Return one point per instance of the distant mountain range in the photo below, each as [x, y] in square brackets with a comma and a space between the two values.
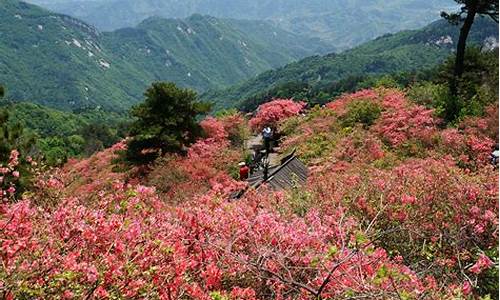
[342, 23]
[404, 51]
[59, 61]
[64, 63]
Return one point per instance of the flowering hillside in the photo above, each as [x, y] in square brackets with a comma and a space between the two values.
[270, 113]
[396, 207]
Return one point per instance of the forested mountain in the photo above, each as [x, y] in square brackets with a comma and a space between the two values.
[344, 23]
[401, 52]
[60, 61]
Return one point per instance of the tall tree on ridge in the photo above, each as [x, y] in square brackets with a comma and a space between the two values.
[468, 11]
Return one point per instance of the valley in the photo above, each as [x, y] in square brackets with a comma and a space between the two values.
[67, 64]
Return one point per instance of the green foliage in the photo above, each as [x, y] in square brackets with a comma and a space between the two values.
[164, 178]
[318, 79]
[427, 93]
[482, 7]
[165, 122]
[488, 281]
[14, 137]
[61, 135]
[61, 62]
[386, 81]
[477, 87]
[54, 151]
[364, 112]
[317, 146]
[218, 296]
[98, 137]
[289, 126]
[225, 113]
[300, 201]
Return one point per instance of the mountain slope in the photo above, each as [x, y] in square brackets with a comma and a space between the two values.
[203, 51]
[404, 51]
[59, 61]
[344, 23]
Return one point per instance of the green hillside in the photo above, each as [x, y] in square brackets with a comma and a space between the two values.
[59, 135]
[343, 23]
[61, 62]
[48, 122]
[204, 52]
[402, 52]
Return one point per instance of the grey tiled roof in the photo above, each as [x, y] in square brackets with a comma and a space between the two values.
[291, 173]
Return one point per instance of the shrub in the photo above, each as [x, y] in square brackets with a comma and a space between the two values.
[363, 111]
[429, 202]
[430, 95]
[270, 113]
[368, 224]
[414, 122]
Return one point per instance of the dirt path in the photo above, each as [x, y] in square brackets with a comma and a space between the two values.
[274, 159]
[255, 141]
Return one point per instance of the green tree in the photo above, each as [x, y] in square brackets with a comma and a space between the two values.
[476, 89]
[97, 137]
[468, 11]
[165, 122]
[13, 136]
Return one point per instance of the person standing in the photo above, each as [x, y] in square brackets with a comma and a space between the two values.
[244, 171]
[267, 135]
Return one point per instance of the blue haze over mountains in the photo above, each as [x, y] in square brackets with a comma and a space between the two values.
[342, 23]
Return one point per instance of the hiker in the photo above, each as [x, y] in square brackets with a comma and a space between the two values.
[256, 158]
[244, 171]
[267, 134]
[265, 173]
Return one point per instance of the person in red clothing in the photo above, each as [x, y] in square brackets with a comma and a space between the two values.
[244, 171]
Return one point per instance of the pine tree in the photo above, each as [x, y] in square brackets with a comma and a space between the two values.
[165, 122]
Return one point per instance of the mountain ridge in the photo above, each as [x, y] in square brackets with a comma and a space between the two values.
[344, 23]
[401, 52]
[65, 63]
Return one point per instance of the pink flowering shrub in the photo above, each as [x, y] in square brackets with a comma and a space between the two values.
[339, 105]
[134, 246]
[431, 203]
[369, 224]
[96, 173]
[9, 176]
[270, 113]
[236, 127]
[232, 127]
[403, 125]
[401, 120]
[482, 126]
[214, 129]
[446, 197]
[388, 98]
[206, 166]
[469, 150]
[483, 263]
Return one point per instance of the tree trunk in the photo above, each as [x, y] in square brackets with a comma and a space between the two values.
[462, 40]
